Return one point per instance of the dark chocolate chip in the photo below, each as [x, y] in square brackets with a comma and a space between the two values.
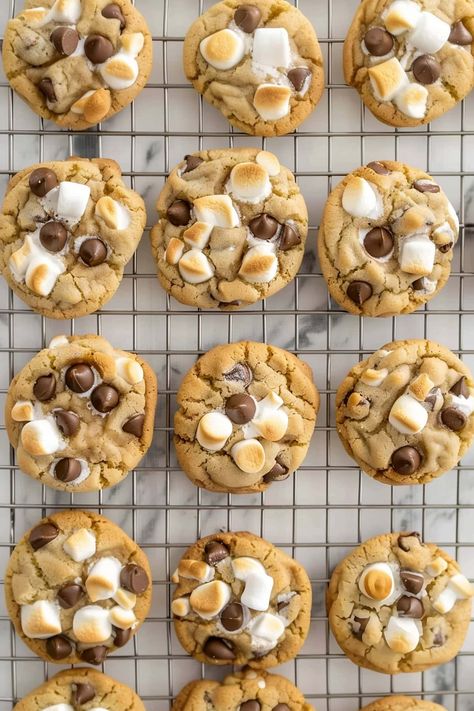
[362, 622]
[46, 87]
[42, 180]
[378, 242]
[67, 469]
[460, 388]
[432, 398]
[98, 49]
[232, 617]
[82, 694]
[41, 535]
[240, 373]
[94, 655]
[378, 41]
[134, 579]
[264, 226]
[179, 213]
[404, 544]
[45, 388]
[134, 425]
[424, 186]
[359, 292]
[281, 707]
[279, 472]
[59, 647]
[53, 236]
[215, 551]
[114, 12]
[289, 238]
[406, 460]
[412, 581]
[453, 419]
[445, 248]
[460, 34]
[426, 69]
[299, 76]
[251, 705]
[93, 252]
[192, 163]
[68, 422]
[410, 607]
[240, 408]
[121, 637]
[69, 595]
[104, 398]
[79, 378]
[65, 40]
[419, 284]
[378, 168]
[247, 18]
[219, 649]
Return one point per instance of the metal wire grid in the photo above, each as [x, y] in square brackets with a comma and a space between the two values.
[329, 505]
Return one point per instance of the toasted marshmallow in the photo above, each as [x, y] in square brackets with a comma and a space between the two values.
[103, 580]
[430, 33]
[271, 47]
[401, 16]
[181, 607]
[421, 387]
[269, 420]
[125, 599]
[268, 627]
[444, 234]
[402, 634]
[272, 101]
[249, 455]
[407, 415]
[20, 259]
[249, 182]
[58, 342]
[458, 588]
[223, 50]
[35, 16]
[59, 707]
[376, 582]
[174, 251]
[412, 100]
[465, 404]
[213, 431]
[42, 275]
[23, 411]
[216, 210]
[244, 566]
[79, 106]
[195, 570]
[80, 545]
[92, 625]
[209, 599]
[195, 267]
[41, 619]
[374, 377]
[360, 198]
[94, 105]
[72, 200]
[115, 215]
[198, 234]
[130, 370]
[40, 437]
[258, 585]
[270, 162]
[387, 79]
[132, 43]
[436, 567]
[417, 255]
[120, 71]
[122, 618]
[66, 11]
[260, 264]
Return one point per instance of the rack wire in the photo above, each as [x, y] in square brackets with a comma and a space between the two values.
[329, 505]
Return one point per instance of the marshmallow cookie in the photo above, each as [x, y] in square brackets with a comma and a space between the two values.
[386, 239]
[77, 588]
[402, 703]
[67, 230]
[80, 689]
[80, 414]
[406, 413]
[246, 415]
[411, 60]
[396, 604]
[240, 600]
[260, 64]
[232, 229]
[77, 62]
[243, 691]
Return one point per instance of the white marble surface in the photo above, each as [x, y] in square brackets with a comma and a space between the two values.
[329, 506]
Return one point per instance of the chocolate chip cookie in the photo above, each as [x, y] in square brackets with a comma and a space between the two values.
[411, 60]
[67, 231]
[243, 691]
[79, 689]
[402, 703]
[406, 413]
[77, 63]
[246, 415]
[240, 600]
[80, 414]
[260, 64]
[77, 588]
[396, 604]
[232, 229]
[386, 239]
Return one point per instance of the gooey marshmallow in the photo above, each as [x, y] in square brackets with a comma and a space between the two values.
[402, 634]
[129, 370]
[198, 235]
[214, 429]
[260, 264]
[223, 49]
[174, 251]
[249, 455]
[377, 582]
[412, 100]
[374, 377]
[41, 619]
[360, 198]
[458, 588]
[270, 420]
[429, 34]
[401, 16]
[271, 47]
[407, 415]
[41, 437]
[115, 215]
[258, 585]
[92, 625]
[216, 210]
[103, 580]
[121, 70]
[249, 182]
[195, 267]
[80, 545]
[387, 79]
[32, 264]
[122, 618]
[195, 570]
[209, 599]
[272, 101]
[417, 255]
[65, 11]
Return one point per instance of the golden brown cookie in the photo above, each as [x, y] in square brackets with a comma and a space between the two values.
[402, 703]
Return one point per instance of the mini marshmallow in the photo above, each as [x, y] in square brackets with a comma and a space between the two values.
[260, 264]
[270, 162]
[103, 580]
[387, 79]
[35, 16]
[130, 370]
[40, 620]
[417, 255]
[195, 268]
[72, 200]
[244, 566]
[68, 11]
[401, 16]
[402, 634]
[120, 71]
[40, 437]
[223, 50]
[181, 607]
[213, 431]
[377, 582]
[465, 404]
[122, 618]
[430, 33]
[249, 455]
[174, 251]
[20, 259]
[269, 421]
[257, 592]
[436, 567]
[23, 411]
[125, 599]
[249, 182]
[444, 234]
[59, 707]
[271, 47]
[198, 234]
[216, 210]
[407, 415]
[272, 101]
[268, 627]
[209, 599]
[374, 377]
[80, 545]
[359, 198]
[92, 625]
[79, 106]
[458, 588]
[132, 43]
[58, 342]
[115, 215]
[196, 570]
[412, 100]
[42, 275]
[421, 387]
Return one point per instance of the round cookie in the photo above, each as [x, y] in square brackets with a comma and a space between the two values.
[77, 588]
[242, 691]
[402, 703]
[232, 230]
[396, 604]
[411, 60]
[259, 63]
[80, 689]
[240, 600]
[406, 413]
[77, 63]
[386, 239]
[246, 415]
[80, 414]
[67, 230]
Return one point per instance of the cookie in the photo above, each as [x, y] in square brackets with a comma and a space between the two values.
[80, 414]
[79, 689]
[77, 588]
[402, 703]
[246, 415]
[411, 60]
[232, 230]
[243, 691]
[406, 413]
[240, 600]
[77, 63]
[260, 64]
[67, 230]
[386, 240]
[396, 604]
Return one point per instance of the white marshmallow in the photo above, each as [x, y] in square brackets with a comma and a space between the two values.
[174, 251]
[387, 79]
[103, 580]
[430, 33]
[244, 566]
[249, 455]
[122, 618]
[198, 234]
[407, 415]
[465, 404]
[272, 101]
[417, 255]
[181, 607]
[21, 258]
[402, 634]
[268, 627]
[213, 431]
[129, 370]
[41, 437]
[35, 16]
[374, 377]
[209, 599]
[360, 199]
[80, 545]
[401, 16]
[445, 230]
[257, 592]
[195, 268]
[270, 162]
[120, 71]
[271, 47]
[223, 50]
[132, 43]
[454, 216]
[216, 210]
[68, 11]
[92, 625]
[115, 215]
[23, 411]
[72, 200]
[249, 182]
[377, 582]
[59, 707]
[125, 599]
[195, 570]
[458, 588]
[412, 100]
[436, 567]
[41, 619]
[58, 342]
[42, 274]
[269, 421]
[79, 106]
[260, 264]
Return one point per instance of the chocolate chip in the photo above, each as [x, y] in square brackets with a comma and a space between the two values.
[58, 647]
[253, 705]
[299, 76]
[460, 388]
[67, 470]
[438, 639]
[362, 622]
[179, 213]
[192, 163]
[425, 186]
[289, 238]
[114, 12]
[53, 236]
[121, 637]
[419, 284]
[240, 373]
[378, 242]
[460, 34]
[68, 422]
[431, 399]
[445, 248]
[247, 18]
[264, 226]
[426, 69]
[410, 607]
[45, 388]
[219, 649]
[406, 460]
[134, 425]
[215, 551]
[378, 168]
[281, 707]
[453, 419]
[79, 378]
[134, 579]
[94, 655]
[240, 408]
[69, 595]
[41, 181]
[232, 617]
[65, 40]
[378, 42]
[43, 534]
[98, 49]
[93, 252]
[359, 292]
[412, 581]
[46, 87]
[82, 694]
[279, 472]
[403, 542]
[104, 398]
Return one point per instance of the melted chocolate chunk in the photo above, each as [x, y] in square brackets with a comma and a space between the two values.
[362, 622]
[279, 472]
[95, 655]
[445, 248]
[42, 180]
[45, 388]
[121, 637]
[404, 543]
[192, 162]
[41, 535]
[215, 551]
[46, 87]
[219, 649]
[378, 168]
[410, 607]
[114, 12]
[82, 694]
[424, 186]
[251, 705]
[240, 373]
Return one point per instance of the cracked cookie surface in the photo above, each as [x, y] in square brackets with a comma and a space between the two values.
[240, 600]
[396, 604]
[402, 703]
[77, 588]
[232, 230]
[77, 62]
[386, 239]
[260, 64]
[81, 690]
[406, 413]
[246, 415]
[80, 414]
[411, 60]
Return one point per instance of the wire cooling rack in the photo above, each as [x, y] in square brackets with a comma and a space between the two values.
[329, 506]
